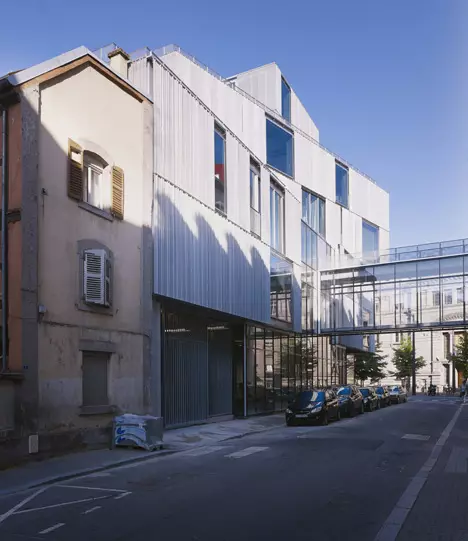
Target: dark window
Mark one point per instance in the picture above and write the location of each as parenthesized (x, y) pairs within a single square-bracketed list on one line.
[(447, 345), (255, 200), (370, 240), (436, 298), (365, 392), (308, 246), (459, 295), (313, 212), (303, 399), (220, 169), (342, 182), (280, 288), (344, 391), (95, 369), (448, 296), (279, 148), (285, 100), (276, 217)]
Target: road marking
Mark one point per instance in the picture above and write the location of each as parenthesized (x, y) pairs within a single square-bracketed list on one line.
[(91, 510), (63, 504), (52, 528), (420, 437), (200, 451), (92, 488), (120, 496), (99, 474), (392, 526), (246, 452), (458, 461), (21, 504)]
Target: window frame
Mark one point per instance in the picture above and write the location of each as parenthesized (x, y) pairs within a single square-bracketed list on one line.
[(278, 124), (321, 202), (285, 85), (345, 168), (221, 132), (278, 189), (376, 229), (255, 189), (92, 162)]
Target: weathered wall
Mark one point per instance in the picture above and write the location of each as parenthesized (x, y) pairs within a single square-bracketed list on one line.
[(96, 113)]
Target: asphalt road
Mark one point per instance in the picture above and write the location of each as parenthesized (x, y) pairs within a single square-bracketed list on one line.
[(398, 473)]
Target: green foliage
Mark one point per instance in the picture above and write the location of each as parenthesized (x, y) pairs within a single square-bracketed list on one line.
[(460, 358), (403, 359), (369, 365)]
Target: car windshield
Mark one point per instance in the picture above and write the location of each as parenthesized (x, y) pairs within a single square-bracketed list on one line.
[(393, 389), (365, 392), (344, 391), (379, 390), (305, 397)]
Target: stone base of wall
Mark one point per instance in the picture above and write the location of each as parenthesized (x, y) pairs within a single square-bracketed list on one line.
[(14, 450)]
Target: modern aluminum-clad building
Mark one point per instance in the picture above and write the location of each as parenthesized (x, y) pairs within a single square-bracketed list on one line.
[(247, 207)]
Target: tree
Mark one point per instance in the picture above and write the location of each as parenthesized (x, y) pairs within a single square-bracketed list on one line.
[(403, 360), (369, 365), (460, 358)]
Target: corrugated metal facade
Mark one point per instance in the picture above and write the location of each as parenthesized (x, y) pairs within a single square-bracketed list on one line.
[(203, 259)]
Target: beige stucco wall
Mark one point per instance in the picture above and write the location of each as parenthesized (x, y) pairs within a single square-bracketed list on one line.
[(92, 110)]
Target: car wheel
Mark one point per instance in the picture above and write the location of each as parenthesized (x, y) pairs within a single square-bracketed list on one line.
[(289, 422), (371, 407), (338, 415), (325, 418), (378, 404), (361, 411)]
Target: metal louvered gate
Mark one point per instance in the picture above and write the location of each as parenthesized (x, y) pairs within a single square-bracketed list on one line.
[(197, 370)]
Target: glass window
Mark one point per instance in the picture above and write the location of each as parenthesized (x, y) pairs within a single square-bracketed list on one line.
[(459, 295), (96, 191), (276, 217), (435, 298), (448, 296), (255, 187), (370, 240), (285, 100), (280, 288), (279, 148), (313, 212), (220, 169), (341, 177)]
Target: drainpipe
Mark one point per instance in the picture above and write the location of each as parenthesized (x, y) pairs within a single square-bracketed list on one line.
[(4, 242)]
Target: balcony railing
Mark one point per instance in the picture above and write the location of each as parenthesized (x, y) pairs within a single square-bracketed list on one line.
[(255, 222)]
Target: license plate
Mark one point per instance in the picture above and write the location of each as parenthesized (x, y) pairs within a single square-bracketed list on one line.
[(301, 415)]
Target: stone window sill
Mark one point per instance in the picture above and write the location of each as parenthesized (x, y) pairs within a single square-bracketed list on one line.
[(97, 410), (94, 210)]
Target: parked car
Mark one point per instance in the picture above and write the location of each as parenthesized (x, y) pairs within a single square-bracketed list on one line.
[(318, 405), (350, 400), (371, 399), (397, 394), (384, 395)]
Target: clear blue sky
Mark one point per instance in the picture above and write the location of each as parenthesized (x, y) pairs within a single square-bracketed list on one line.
[(384, 80)]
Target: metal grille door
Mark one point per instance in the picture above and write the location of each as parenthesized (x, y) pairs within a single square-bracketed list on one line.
[(220, 372)]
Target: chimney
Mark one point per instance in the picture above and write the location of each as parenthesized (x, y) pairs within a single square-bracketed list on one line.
[(119, 61)]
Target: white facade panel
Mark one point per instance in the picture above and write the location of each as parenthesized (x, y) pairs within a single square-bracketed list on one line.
[(333, 223), (237, 182), (301, 118), (202, 258), (368, 200), (263, 84)]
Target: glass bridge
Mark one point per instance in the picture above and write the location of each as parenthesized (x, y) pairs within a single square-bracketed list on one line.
[(411, 288)]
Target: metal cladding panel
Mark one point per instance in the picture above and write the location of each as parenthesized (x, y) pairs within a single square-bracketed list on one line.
[(237, 182), (202, 258), (139, 72), (183, 137)]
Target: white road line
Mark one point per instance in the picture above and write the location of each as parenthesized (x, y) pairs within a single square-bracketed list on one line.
[(120, 496), (246, 452), (52, 528), (91, 488), (392, 526), (200, 451), (91, 510), (420, 437), (21, 504), (63, 504)]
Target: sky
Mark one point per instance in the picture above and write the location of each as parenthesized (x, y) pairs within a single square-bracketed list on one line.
[(384, 80)]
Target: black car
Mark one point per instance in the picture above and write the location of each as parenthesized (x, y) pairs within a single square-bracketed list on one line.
[(384, 395), (319, 405), (350, 400), (371, 399)]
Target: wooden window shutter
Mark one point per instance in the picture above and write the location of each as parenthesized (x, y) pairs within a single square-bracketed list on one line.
[(94, 277), (75, 171), (117, 192)]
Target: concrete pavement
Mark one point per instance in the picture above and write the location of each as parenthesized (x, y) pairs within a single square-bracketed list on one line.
[(343, 481)]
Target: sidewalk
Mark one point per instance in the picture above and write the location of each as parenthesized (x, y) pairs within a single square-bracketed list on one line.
[(45, 472)]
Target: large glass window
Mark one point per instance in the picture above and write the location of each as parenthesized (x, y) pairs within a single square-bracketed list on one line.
[(279, 148), (280, 288), (220, 169), (370, 241), (342, 184), (313, 212), (255, 209), (285, 100), (276, 217)]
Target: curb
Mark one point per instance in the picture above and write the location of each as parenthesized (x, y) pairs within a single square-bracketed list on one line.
[(87, 471)]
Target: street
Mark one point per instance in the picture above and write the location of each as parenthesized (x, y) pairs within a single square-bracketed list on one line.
[(397, 473)]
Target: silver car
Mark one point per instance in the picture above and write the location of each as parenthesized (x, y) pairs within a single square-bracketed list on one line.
[(397, 394)]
